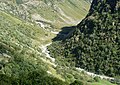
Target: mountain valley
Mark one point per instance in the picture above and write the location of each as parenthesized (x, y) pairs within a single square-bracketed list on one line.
[(42, 41)]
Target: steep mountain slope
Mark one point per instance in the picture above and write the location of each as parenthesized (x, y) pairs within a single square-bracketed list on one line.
[(48, 13), (24, 58), (20, 53), (94, 44), (19, 50), (22, 61)]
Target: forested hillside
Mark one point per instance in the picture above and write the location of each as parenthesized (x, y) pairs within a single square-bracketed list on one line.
[(27, 28), (94, 44), (22, 61)]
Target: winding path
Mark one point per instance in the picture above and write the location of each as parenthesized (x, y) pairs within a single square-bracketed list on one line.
[(95, 75), (46, 52)]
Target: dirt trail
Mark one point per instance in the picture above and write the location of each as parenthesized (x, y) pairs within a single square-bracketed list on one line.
[(46, 52), (95, 75)]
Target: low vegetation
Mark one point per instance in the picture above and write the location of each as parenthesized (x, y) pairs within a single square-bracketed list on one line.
[(21, 58), (94, 44)]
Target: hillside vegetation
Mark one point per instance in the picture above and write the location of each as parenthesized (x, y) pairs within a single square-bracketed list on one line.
[(21, 59), (24, 58), (20, 55), (48, 13), (94, 44)]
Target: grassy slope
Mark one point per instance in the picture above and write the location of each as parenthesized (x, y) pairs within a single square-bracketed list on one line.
[(75, 9), (22, 47), (49, 10), (102, 82), (21, 40)]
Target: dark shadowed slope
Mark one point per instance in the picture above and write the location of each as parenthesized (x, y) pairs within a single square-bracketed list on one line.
[(94, 45)]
